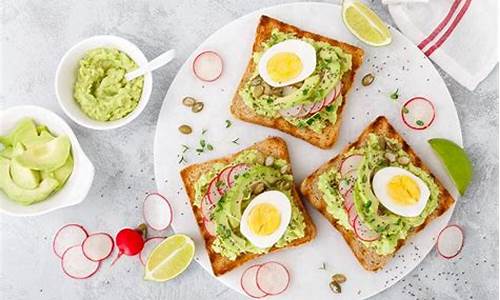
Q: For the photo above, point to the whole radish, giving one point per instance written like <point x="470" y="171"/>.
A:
<point x="130" y="241"/>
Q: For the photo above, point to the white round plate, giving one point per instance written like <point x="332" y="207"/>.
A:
<point x="397" y="66"/>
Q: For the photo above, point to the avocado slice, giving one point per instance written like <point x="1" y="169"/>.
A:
<point x="62" y="174"/>
<point x="23" y="177"/>
<point x="25" y="130"/>
<point x="43" y="138"/>
<point x="300" y="95"/>
<point x="47" y="156"/>
<point x="24" y="196"/>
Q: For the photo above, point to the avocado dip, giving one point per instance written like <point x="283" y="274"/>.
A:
<point x="391" y="227"/>
<point x="229" y="241"/>
<point x="101" y="89"/>
<point x="332" y="64"/>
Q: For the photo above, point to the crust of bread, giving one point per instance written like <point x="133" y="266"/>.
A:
<point x="368" y="258"/>
<point x="330" y="133"/>
<point x="274" y="146"/>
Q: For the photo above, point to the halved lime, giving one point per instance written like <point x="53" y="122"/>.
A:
<point x="455" y="160"/>
<point x="170" y="258"/>
<point x="365" y="24"/>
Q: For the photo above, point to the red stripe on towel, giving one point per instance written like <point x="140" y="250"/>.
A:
<point x="441" y="25"/>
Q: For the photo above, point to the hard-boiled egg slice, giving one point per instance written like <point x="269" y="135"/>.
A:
<point x="400" y="191"/>
<point x="287" y="63"/>
<point x="266" y="218"/>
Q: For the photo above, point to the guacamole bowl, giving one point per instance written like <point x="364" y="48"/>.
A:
<point x="67" y="74"/>
<point x="77" y="185"/>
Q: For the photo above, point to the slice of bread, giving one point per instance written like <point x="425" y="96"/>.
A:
<point x="273" y="146"/>
<point x="368" y="258"/>
<point x="241" y="111"/>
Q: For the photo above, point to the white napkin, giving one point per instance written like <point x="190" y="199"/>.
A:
<point x="458" y="35"/>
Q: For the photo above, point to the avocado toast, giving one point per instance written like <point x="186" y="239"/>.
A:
<point x="219" y="191"/>
<point x="372" y="229"/>
<point x="310" y="109"/>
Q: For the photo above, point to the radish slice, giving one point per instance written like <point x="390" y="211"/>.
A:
<point x="348" y="200"/>
<point x="317" y="107"/>
<point x="68" y="236"/>
<point x="347" y="181"/>
<point x="98" y="246"/>
<point x="336" y="93"/>
<point x="450" y="241"/>
<point x="291" y="112"/>
<point x="157" y="211"/>
<point x="272" y="278"/>
<point x="210" y="227"/>
<point x="248" y="283"/>
<point x="206" y="208"/>
<point x="363" y="232"/>
<point x="76" y="265"/>
<point x="208" y="66"/>
<point x="149" y="245"/>
<point x="349" y="163"/>
<point x="353" y="214"/>
<point x="212" y="192"/>
<point x="235" y="172"/>
<point x="418" y="113"/>
<point x="222" y="185"/>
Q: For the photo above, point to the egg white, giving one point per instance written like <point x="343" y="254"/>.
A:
<point x="282" y="204"/>
<point x="305" y="52"/>
<point x="380" y="182"/>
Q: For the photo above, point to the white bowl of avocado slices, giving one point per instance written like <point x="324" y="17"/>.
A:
<point x="42" y="166"/>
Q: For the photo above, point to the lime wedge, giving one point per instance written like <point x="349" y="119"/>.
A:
<point x="170" y="258"/>
<point x="456" y="162"/>
<point x="365" y="24"/>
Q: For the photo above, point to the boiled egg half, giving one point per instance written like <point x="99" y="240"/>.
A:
<point x="287" y="63"/>
<point x="266" y="218"/>
<point x="400" y="191"/>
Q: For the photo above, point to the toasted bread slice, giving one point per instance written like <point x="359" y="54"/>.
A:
<point x="369" y="259"/>
<point x="329" y="135"/>
<point x="274" y="146"/>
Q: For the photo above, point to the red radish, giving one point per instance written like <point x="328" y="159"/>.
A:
<point x="450" y="241"/>
<point x="212" y="192"/>
<point x="349" y="163"/>
<point x="348" y="200"/>
<point x="363" y="232"/>
<point x="418" y="113"/>
<point x="68" y="236"/>
<point x="309" y="107"/>
<point x="149" y="246"/>
<point x="222" y="184"/>
<point x="76" y="265"/>
<point x="352" y="214"/>
<point x="208" y="66"/>
<point x="206" y="208"/>
<point x="272" y="278"/>
<point x="347" y="181"/>
<point x="317" y="107"/>
<point x="210" y="227"/>
<point x="336" y="93"/>
<point x="98" y="246"/>
<point x="291" y="112"/>
<point x="235" y="172"/>
<point x="248" y="283"/>
<point x="129" y="242"/>
<point x="157" y="211"/>
<point x="302" y="113"/>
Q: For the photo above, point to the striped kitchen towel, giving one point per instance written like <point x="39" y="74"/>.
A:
<point x="458" y="35"/>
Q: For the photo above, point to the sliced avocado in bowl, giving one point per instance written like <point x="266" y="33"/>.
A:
<point x="25" y="130"/>
<point x="23" y="177"/>
<point x="47" y="156"/>
<point x="43" y="138"/>
<point x="61" y="174"/>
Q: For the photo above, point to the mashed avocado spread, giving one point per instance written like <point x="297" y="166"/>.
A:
<point x="226" y="215"/>
<point x="101" y="89"/>
<point x="331" y="63"/>
<point x="391" y="227"/>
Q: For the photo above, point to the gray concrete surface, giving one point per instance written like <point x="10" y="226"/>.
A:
<point x="34" y="36"/>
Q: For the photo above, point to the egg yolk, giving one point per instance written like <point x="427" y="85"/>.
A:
<point x="403" y="190"/>
<point x="284" y="66"/>
<point x="264" y="219"/>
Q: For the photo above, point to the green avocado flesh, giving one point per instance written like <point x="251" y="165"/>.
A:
<point x="390" y="226"/>
<point x="34" y="164"/>
<point x="331" y="64"/>
<point x="229" y="242"/>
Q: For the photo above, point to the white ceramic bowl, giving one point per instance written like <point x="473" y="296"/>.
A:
<point x="76" y="188"/>
<point x="66" y="77"/>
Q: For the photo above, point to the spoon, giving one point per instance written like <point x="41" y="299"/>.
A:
<point x="154" y="64"/>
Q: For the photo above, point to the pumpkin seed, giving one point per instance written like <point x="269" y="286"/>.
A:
<point x="185" y="129"/>
<point x="269" y="161"/>
<point x="256" y="81"/>
<point x="257" y="187"/>
<point x="367" y="79"/>
<point x="285" y="169"/>
<point x="391" y="157"/>
<point x="404" y="160"/>
<point x="335" y="287"/>
<point x="258" y="91"/>
<point x="267" y="89"/>
<point x="197" y="107"/>
<point x="339" y="278"/>
<point x="188" y="101"/>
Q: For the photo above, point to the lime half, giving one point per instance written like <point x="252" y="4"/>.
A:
<point x="170" y="258"/>
<point x="365" y="24"/>
<point x="456" y="162"/>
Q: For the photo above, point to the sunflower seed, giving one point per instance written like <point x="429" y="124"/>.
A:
<point x="185" y="129"/>
<point x="404" y="160"/>
<point x="335" y="287"/>
<point x="188" y="101"/>
<point x="197" y="107"/>
<point x="269" y="161"/>
<point x="258" y="91"/>
<point x="391" y="157"/>
<point x="367" y="79"/>
<point x="339" y="278"/>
